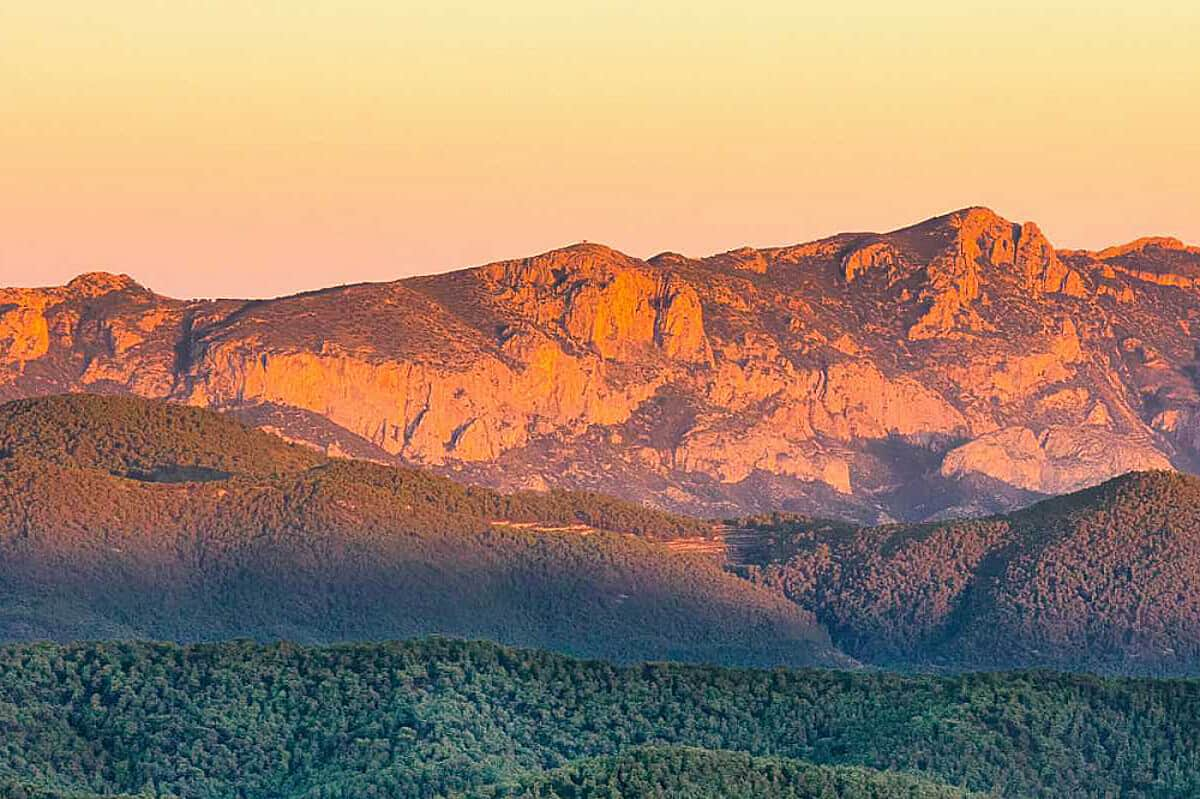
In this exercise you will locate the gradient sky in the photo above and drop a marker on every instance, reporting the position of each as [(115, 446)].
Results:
[(231, 148)]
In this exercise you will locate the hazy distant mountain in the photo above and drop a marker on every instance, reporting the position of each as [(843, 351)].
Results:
[(962, 365)]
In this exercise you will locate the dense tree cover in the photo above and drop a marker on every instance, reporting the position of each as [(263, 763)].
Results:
[(441, 717), (1101, 580), (167, 442), (351, 551), (772, 538), (659, 772), (130, 436), (19, 789)]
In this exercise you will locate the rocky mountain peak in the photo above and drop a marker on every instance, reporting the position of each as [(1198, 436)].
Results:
[(742, 259), (1168, 243), (560, 267), (618, 306), (668, 259), (97, 284), (979, 247), (976, 217)]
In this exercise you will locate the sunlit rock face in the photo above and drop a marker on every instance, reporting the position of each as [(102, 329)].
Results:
[(963, 362)]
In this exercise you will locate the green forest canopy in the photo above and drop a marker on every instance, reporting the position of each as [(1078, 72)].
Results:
[(441, 718)]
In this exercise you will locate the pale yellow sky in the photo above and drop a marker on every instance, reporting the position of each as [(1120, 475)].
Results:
[(233, 148)]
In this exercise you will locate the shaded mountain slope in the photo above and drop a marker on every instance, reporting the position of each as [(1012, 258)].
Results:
[(274, 541), (962, 365), (437, 718), (1100, 580)]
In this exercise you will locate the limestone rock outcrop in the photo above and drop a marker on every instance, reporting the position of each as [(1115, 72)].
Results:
[(605, 301), (24, 332), (878, 255), (1036, 259), (1056, 461), (986, 247), (745, 259)]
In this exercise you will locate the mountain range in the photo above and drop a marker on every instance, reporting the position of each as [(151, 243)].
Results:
[(960, 366)]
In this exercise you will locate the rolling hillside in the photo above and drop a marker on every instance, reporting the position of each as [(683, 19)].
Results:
[(127, 518)]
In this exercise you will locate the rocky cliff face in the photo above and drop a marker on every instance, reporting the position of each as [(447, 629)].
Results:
[(959, 365)]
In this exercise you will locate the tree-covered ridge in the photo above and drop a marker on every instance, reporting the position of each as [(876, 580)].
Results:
[(159, 441), (353, 551), (130, 436), (660, 772), (433, 494), (1102, 580), (442, 718)]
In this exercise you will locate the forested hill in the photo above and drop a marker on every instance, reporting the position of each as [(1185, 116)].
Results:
[(155, 441), (441, 718), (1101, 580), (124, 518)]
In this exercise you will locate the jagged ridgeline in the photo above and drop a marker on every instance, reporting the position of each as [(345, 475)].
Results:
[(440, 718), (127, 518), (959, 366)]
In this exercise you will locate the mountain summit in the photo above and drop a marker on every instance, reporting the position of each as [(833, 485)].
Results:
[(960, 365)]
